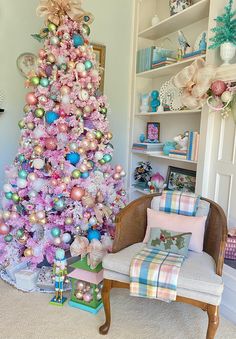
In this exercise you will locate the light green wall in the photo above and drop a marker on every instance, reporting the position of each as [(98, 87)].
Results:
[(112, 27)]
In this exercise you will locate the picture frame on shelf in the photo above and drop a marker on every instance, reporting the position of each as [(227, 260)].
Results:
[(180, 179), (100, 52), (153, 132)]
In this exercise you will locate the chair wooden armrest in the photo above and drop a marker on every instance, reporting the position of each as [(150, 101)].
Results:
[(216, 234), (131, 223)]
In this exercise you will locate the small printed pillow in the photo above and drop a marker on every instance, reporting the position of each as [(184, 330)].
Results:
[(179, 203), (178, 223), (170, 241)]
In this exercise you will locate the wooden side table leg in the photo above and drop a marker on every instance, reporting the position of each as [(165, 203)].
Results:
[(107, 285), (213, 321)]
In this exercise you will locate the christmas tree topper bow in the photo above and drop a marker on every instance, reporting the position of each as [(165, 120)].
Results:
[(54, 10)]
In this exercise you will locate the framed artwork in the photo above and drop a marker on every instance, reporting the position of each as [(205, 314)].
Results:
[(153, 132), (26, 63), (179, 179), (100, 52)]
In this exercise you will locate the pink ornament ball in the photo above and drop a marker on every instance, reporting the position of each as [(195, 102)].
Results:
[(32, 176), (87, 297), (118, 168), (117, 176), (77, 193), (31, 99), (51, 143), (62, 128), (218, 87), (4, 229), (42, 53), (65, 90)]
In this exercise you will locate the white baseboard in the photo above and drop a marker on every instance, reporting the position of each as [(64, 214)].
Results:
[(228, 305)]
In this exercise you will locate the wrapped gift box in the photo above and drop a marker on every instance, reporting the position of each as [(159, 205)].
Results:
[(45, 281), (86, 286), (13, 268), (230, 251), (26, 279)]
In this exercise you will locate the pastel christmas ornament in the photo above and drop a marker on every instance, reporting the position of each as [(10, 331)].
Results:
[(21, 124), (80, 67), (85, 175), (7, 188), (107, 157), (77, 193), (94, 234), (69, 221), (51, 117), (22, 183), (227, 96), (35, 81), (8, 195), (73, 158), (31, 126), (51, 58), (66, 238), (88, 65), (28, 252), (59, 204), (78, 40), (22, 174), (51, 143), (4, 229), (44, 82), (218, 87), (55, 232), (65, 90), (8, 238), (52, 27), (62, 128), (76, 174), (31, 99), (38, 163), (54, 40)]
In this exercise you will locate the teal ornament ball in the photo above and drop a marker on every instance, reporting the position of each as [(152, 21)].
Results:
[(86, 18), (21, 158), (51, 116), (73, 158), (93, 234), (44, 82), (59, 205), (107, 158), (54, 40), (15, 197), (86, 29), (88, 65), (8, 195), (22, 174), (85, 175), (55, 232), (39, 113), (8, 238), (78, 40), (20, 233)]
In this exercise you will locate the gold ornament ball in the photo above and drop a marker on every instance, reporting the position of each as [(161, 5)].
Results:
[(98, 135), (42, 221), (32, 218), (66, 180), (39, 113), (38, 150), (26, 109), (51, 58), (109, 135), (71, 65), (28, 252), (69, 221), (21, 124), (31, 126), (81, 151)]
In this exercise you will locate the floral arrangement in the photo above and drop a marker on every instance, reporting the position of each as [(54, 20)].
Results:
[(143, 172)]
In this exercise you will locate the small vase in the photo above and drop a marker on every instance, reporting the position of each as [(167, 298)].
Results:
[(227, 52)]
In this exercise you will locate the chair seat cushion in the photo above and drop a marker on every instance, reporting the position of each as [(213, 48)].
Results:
[(197, 278)]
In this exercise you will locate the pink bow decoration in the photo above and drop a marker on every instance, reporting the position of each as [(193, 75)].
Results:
[(79, 247), (195, 80), (54, 10)]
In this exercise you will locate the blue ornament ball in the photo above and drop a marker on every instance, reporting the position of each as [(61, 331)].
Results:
[(22, 174), (60, 254), (51, 116), (85, 175), (21, 157), (78, 40), (93, 234), (73, 158), (107, 157), (55, 232), (88, 65), (59, 205)]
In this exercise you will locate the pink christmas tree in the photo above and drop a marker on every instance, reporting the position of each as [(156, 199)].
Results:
[(61, 183)]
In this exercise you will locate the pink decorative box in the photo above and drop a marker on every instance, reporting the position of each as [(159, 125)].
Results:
[(230, 252)]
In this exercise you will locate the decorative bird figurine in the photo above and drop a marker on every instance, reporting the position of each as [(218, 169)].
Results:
[(183, 42)]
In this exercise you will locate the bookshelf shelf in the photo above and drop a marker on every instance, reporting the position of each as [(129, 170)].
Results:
[(151, 114), (160, 155), (168, 70), (195, 13)]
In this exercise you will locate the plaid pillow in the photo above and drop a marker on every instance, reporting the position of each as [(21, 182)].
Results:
[(179, 202)]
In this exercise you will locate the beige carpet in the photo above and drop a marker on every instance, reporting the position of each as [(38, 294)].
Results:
[(30, 316)]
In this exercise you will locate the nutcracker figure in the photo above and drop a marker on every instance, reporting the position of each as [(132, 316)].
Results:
[(59, 276)]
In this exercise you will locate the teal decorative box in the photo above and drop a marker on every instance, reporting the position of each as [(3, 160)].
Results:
[(86, 286)]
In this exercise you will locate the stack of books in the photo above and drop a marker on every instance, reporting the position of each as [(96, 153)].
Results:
[(163, 62), (193, 146), (144, 59), (192, 152), (148, 147)]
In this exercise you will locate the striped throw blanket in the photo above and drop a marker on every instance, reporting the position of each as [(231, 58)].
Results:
[(154, 274), (179, 203)]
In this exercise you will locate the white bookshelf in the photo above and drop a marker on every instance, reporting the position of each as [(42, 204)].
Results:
[(192, 21)]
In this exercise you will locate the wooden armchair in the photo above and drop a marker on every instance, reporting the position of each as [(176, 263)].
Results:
[(130, 231)]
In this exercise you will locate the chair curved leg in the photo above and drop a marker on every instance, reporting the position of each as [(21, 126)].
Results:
[(106, 302), (213, 321)]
